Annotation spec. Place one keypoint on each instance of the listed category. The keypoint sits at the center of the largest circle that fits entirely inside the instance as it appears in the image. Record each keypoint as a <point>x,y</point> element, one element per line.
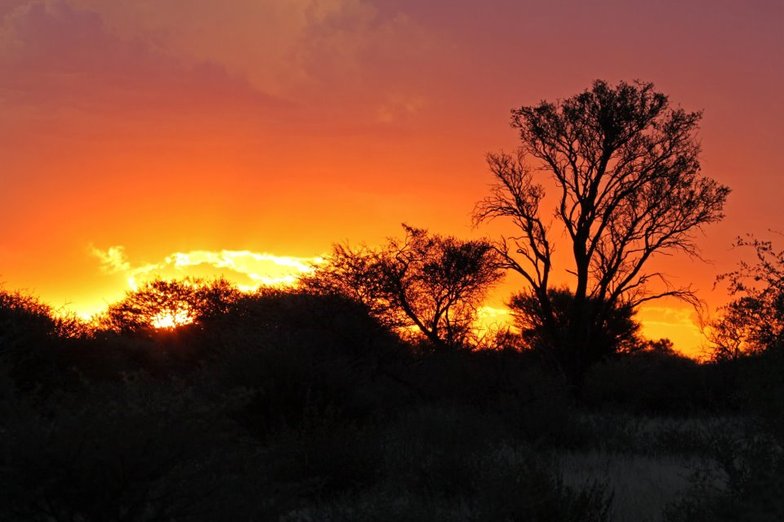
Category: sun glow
<point>169,320</point>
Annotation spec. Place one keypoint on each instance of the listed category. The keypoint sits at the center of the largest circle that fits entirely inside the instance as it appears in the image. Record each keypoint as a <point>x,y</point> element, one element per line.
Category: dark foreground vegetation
<point>292,405</point>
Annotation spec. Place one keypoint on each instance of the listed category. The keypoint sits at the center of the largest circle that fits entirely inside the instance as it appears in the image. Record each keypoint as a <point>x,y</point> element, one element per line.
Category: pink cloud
<point>55,55</point>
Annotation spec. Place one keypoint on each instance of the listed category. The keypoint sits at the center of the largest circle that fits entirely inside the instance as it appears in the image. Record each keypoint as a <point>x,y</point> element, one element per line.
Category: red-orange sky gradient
<point>248,136</point>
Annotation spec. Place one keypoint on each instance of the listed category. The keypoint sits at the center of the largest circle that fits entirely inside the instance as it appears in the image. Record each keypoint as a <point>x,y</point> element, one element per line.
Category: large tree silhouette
<point>627,175</point>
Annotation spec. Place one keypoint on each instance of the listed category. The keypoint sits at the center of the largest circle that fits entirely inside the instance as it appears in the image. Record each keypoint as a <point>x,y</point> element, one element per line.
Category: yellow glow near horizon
<point>246,269</point>
<point>491,319</point>
<point>168,319</point>
<point>657,322</point>
<point>249,271</point>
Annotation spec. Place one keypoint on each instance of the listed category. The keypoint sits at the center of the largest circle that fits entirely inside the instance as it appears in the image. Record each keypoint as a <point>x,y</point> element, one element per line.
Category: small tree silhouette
<point>167,304</point>
<point>426,282</point>
<point>627,175</point>
<point>754,321</point>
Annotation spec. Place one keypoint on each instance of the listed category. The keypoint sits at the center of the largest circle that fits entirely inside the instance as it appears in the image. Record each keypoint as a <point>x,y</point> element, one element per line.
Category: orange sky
<point>250,134</point>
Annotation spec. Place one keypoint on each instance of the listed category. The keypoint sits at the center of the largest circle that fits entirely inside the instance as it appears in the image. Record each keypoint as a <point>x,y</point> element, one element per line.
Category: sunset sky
<point>195,137</point>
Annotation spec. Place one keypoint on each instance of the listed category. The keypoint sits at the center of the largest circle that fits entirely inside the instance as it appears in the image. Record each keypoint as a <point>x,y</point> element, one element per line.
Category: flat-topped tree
<point>626,168</point>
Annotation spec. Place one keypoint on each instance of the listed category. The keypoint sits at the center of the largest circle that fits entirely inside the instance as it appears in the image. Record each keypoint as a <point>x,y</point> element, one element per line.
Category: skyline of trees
<point>627,167</point>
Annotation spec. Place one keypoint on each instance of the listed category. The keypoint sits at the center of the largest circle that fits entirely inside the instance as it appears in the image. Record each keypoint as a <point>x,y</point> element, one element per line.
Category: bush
<point>28,334</point>
<point>131,451</point>
<point>647,382</point>
<point>517,484</point>
<point>749,485</point>
<point>305,356</point>
<point>447,463</point>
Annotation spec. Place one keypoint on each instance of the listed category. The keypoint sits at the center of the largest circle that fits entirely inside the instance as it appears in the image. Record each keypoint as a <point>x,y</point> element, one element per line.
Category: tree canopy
<point>426,282</point>
<point>754,320</point>
<point>619,331</point>
<point>161,304</point>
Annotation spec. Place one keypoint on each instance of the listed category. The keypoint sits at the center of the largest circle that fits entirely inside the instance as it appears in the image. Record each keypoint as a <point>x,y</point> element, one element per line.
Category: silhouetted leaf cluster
<point>177,301</point>
<point>754,321</point>
<point>616,333</point>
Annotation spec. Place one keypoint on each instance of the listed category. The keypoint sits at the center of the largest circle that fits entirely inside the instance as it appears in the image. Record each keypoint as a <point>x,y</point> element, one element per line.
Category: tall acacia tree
<point>627,174</point>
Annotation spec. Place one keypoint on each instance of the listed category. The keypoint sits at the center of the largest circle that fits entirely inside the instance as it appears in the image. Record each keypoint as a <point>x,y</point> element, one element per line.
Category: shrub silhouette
<point>752,468</point>
<point>648,382</point>
<point>306,355</point>
<point>32,338</point>
<point>24,321</point>
<point>169,303</point>
<point>754,321</point>
<point>614,331</point>
<point>135,450</point>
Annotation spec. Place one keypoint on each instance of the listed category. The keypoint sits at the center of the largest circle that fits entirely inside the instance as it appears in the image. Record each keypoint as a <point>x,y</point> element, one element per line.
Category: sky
<point>193,137</point>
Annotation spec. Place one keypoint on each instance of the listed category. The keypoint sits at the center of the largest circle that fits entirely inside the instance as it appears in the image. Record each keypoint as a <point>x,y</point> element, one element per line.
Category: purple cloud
<point>55,55</point>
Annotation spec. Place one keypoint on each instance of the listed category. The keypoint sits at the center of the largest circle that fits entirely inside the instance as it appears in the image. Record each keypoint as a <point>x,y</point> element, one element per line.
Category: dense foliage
<point>753,321</point>
<point>295,405</point>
